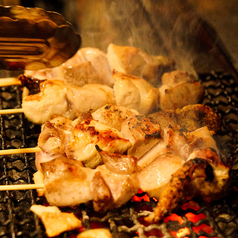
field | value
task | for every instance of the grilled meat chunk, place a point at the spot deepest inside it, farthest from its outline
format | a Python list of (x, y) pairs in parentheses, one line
[(154, 177), (142, 132), (135, 93), (88, 66), (179, 89), (67, 182), (55, 221), (90, 97), (89, 133), (198, 176), (118, 163), (52, 100), (113, 115), (77, 140), (134, 61)]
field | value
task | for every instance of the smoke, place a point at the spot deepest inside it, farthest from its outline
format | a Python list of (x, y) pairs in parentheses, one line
[(159, 27)]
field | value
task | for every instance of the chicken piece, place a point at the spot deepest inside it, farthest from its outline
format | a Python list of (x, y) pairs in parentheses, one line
[(56, 98), (155, 176), (55, 221), (169, 140), (134, 61), (142, 132), (135, 93), (202, 139), (53, 139), (179, 90), (102, 197), (89, 97), (95, 233), (118, 163), (89, 133), (122, 186), (55, 135), (52, 100), (67, 182), (190, 117), (87, 66), (113, 115)]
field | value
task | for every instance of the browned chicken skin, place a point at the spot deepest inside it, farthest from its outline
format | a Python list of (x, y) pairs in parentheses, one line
[(190, 117)]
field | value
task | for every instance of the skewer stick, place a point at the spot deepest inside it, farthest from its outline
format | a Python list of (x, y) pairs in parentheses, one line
[(9, 82), (11, 111), (20, 151), (21, 187)]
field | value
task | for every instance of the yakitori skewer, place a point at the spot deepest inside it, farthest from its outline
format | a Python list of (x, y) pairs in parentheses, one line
[(21, 187), (9, 82), (11, 111), (20, 151)]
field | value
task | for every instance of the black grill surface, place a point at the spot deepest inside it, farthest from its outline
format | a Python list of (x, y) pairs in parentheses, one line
[(16, 220)]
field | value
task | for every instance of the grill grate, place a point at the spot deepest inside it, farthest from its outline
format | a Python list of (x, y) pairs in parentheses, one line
[(220, 218)]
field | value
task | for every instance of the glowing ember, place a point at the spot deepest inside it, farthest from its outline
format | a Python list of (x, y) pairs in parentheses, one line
[(184, 232), (174, 217)]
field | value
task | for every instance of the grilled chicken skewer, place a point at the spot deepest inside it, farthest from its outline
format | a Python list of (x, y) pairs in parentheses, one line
[(175, 154), (129, 91)]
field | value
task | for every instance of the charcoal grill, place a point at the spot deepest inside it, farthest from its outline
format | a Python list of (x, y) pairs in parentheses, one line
[(194, 219)]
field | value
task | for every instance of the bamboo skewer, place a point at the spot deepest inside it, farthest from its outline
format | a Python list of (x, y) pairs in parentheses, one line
[(11, 111), (21, 187), (20, 151), (9, 82)]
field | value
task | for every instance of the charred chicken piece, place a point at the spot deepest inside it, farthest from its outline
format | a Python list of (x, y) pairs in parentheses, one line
[(190, 117), (142, 132), (134, 61), (77, 140), (31, 83), (178, 90), (135, 93), (202, 173), (89, 133), (200, 176)]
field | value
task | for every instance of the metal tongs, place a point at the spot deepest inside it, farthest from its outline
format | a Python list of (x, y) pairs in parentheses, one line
[(33, 39)]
